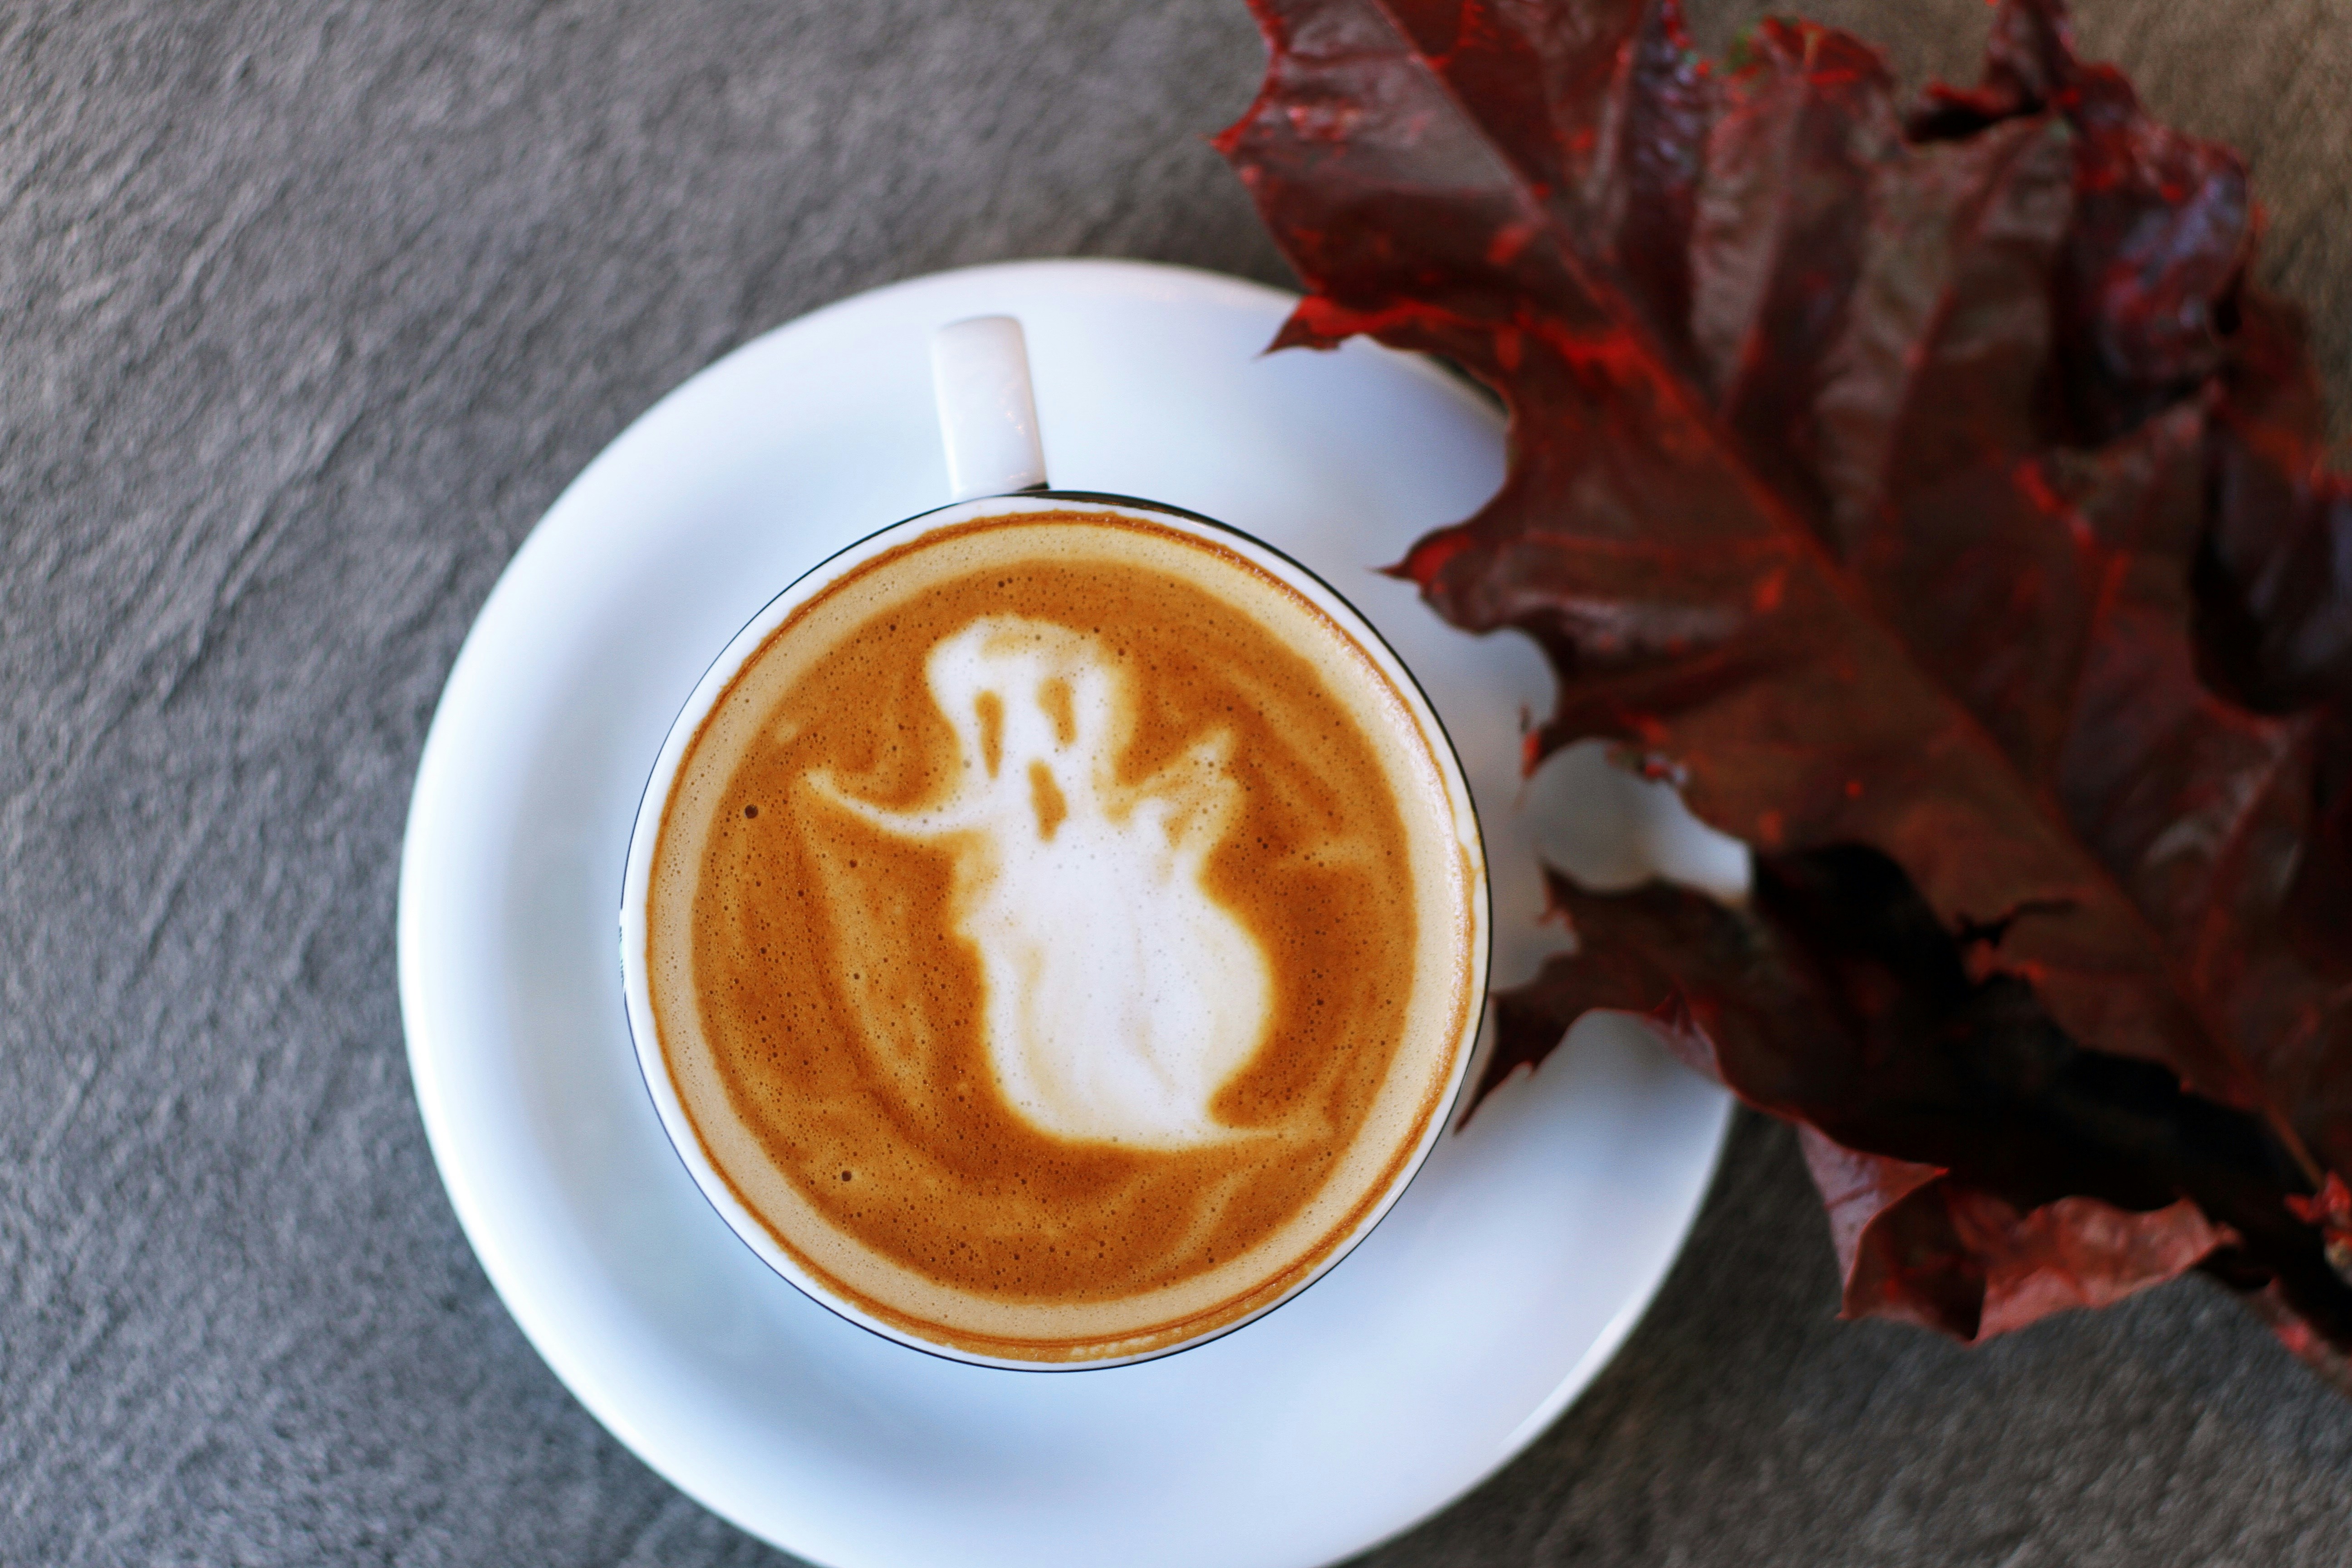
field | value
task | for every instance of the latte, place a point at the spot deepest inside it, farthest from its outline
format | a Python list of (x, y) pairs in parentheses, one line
[(1063, 935)]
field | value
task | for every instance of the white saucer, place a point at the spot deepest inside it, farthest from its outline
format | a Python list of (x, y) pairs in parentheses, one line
[(1494, 1291)]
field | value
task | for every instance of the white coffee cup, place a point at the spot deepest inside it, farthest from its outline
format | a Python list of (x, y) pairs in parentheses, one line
[(996, 468)]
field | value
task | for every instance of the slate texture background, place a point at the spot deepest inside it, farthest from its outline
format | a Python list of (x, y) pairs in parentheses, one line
[(307, 311)]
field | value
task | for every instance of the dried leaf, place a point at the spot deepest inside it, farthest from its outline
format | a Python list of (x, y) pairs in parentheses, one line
[(1932, 490)]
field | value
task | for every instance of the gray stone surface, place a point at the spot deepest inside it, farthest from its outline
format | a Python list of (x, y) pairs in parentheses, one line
[(307, 311)]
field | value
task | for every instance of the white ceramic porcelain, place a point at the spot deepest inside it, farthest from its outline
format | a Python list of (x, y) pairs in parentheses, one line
[(988, 410), (1498, 1287)]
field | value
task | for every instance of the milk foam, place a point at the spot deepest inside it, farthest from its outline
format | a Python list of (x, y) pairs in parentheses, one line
[(1120, 996)]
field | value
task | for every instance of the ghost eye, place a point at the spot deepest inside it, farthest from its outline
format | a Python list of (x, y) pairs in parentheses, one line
[(1054, 699), (989, 708)]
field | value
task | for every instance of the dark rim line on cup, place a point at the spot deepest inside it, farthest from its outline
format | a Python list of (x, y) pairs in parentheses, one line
[(1487, 897)]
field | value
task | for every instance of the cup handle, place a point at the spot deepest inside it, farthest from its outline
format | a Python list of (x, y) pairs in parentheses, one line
[(988, 418)]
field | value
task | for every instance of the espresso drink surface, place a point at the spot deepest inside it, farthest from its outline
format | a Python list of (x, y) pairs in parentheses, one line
[(1060, 937)]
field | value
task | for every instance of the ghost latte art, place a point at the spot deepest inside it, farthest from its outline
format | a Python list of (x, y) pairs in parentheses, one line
[(1063, 934)]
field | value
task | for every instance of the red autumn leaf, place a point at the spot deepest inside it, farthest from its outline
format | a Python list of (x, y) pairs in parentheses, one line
[(1950, 1257), (1935, 495)]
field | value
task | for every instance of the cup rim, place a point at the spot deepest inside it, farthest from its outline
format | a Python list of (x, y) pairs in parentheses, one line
[(678, 1128)]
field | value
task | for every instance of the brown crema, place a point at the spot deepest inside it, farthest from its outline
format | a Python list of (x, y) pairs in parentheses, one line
[(824, 1017)]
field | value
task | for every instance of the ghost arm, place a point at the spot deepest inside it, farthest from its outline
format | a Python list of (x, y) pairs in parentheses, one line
[(1196, 797), (936, 822)]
